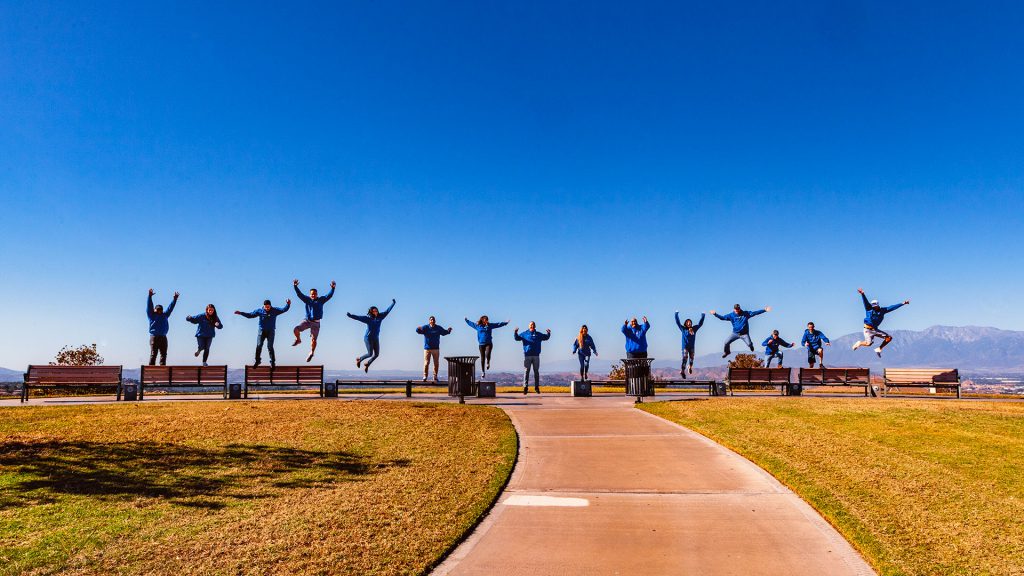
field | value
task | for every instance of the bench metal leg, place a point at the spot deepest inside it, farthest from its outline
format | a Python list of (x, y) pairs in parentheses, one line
[(118, 396), (408, 389)]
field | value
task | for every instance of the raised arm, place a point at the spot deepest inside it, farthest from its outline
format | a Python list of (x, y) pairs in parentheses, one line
[(699, 324), (894, 307), (498, 324), (756, 312), (864, 297), (719, 316), (170, 308), (544, 335), (385, 313), (305, 299), (149, 306), (287, 306), (363, 319), (447, 331), (515, 334), (329, 294), (472, 324), (678, 323)]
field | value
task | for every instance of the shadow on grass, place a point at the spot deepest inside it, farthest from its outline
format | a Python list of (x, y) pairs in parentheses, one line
[(189, 476)]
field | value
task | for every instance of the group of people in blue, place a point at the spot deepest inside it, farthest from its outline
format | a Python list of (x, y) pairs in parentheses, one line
[(635, 333)]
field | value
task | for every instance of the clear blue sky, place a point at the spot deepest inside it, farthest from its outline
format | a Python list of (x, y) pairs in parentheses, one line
[(565, 162)]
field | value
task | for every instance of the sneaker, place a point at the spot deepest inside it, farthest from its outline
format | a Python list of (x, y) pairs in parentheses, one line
[(822, 366), (537, 389), (359, 363), (526, 390), (691, 368), (297, 342), (424, 379), (205, 364), (366, 368), (256, 364), (310, 357), (856, 345), (435, 378), (726, 355), (682, 374), (198, 352), (273, 364), (878, 351), (484, 374)]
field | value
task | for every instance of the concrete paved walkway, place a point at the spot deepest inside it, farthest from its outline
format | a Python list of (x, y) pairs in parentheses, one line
[(603, 488)]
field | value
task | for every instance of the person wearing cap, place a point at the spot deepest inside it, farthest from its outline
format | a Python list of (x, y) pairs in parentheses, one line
[(739, 318), (158, 328), (432, 344), (636, 337), (266, 328), (771, 348), (873, 317), (813, 340), (314, 313)]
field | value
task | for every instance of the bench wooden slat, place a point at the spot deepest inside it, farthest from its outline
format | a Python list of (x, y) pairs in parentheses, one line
[(70, 377), (282, 376)]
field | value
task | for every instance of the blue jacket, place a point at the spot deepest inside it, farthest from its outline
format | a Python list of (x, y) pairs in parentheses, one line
[(771, 345), (874, 317), (483, 333), (739, 321), (372, 324), (814, 339), (204, 327), (158, 325), (432, 336), (689, 340), (636, 338), (314, 308), (531, 341), (588, 345), (268, 320)]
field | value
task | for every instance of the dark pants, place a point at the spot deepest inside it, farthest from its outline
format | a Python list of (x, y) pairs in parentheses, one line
[(584, 364), (485, 355), (636, 354), (687, 359), (268, 337), (372, 350), (158, 344), (204, 345)]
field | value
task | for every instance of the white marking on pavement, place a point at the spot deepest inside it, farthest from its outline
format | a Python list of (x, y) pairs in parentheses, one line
[(520, 500)]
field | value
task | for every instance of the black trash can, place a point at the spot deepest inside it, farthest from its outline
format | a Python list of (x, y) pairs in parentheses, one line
[(638, 377), (794, 389), (130, 392), (461, 376), (717, 388)]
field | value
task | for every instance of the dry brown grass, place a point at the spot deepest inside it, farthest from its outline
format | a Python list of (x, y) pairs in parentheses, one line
[(920, 487), (286, 487)]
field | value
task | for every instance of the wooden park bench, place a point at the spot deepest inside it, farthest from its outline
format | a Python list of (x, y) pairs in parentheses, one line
[(708, 385), (72, 378), (486, 386), (758, 377), (855, 377), (283, 376), (183, 377), (946, 378)]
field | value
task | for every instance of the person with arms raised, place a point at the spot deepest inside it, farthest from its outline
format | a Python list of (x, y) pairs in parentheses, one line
[(689, 331), (158, 328), (371, 339), (432, 344), (266, 328), (771, 348), (531, 340), (636, 337), (483, 329), (314, 313), (873, 316), (740, 320)]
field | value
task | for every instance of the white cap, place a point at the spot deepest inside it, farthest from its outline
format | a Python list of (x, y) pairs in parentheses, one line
[(874, 302)]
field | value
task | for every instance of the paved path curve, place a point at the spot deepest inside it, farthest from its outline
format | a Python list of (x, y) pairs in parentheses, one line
[(603, 488)]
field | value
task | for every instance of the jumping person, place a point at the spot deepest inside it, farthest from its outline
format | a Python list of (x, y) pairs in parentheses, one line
[(371, 339), (582, 346), (740, 326), (771, 348), (266, 328), (813, 340), (432, 344), (531, 340), (689, 341), (636, 337), (314, 313), (207, 325), (158, 328), (874, 314), (483, 329)]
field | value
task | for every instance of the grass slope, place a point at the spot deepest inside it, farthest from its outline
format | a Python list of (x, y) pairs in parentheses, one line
[(290, 487), (920, 487)]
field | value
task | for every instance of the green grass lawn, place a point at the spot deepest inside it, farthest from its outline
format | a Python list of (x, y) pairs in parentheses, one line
[(284, 487), (919, 487)]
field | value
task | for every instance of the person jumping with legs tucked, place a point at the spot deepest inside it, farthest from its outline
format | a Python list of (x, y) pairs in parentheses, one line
[(158, 328), (371, 339), (531, 340), (483, 337), (740, 326), (207, 325), (813, 340), (636, 337), (689, 341), (873, 316), (314, 313), (266, 328), (771, 348), (432, 344), (582, 347)]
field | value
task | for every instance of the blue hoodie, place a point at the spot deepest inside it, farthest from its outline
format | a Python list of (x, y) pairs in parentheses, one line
[(739, 321), (204, 328), (268, 320), (432, 336), (588, 345), (483, 333), (314, 308), (372, 324), (771, 345), (814, 339), (636, 338), (158, 325), (689, 340), (872, 317), (531, 341)]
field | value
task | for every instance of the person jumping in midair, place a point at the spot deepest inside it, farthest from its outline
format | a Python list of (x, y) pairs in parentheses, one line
[(207, 325), (636, 337), (874, 314), (689, 341), (813, 340), (771, 348), (432, 344), (740, 326), (483, 329), (371, 339), (266, 328), (531, 340), (582, 346), (314, 313), (158, 328)]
